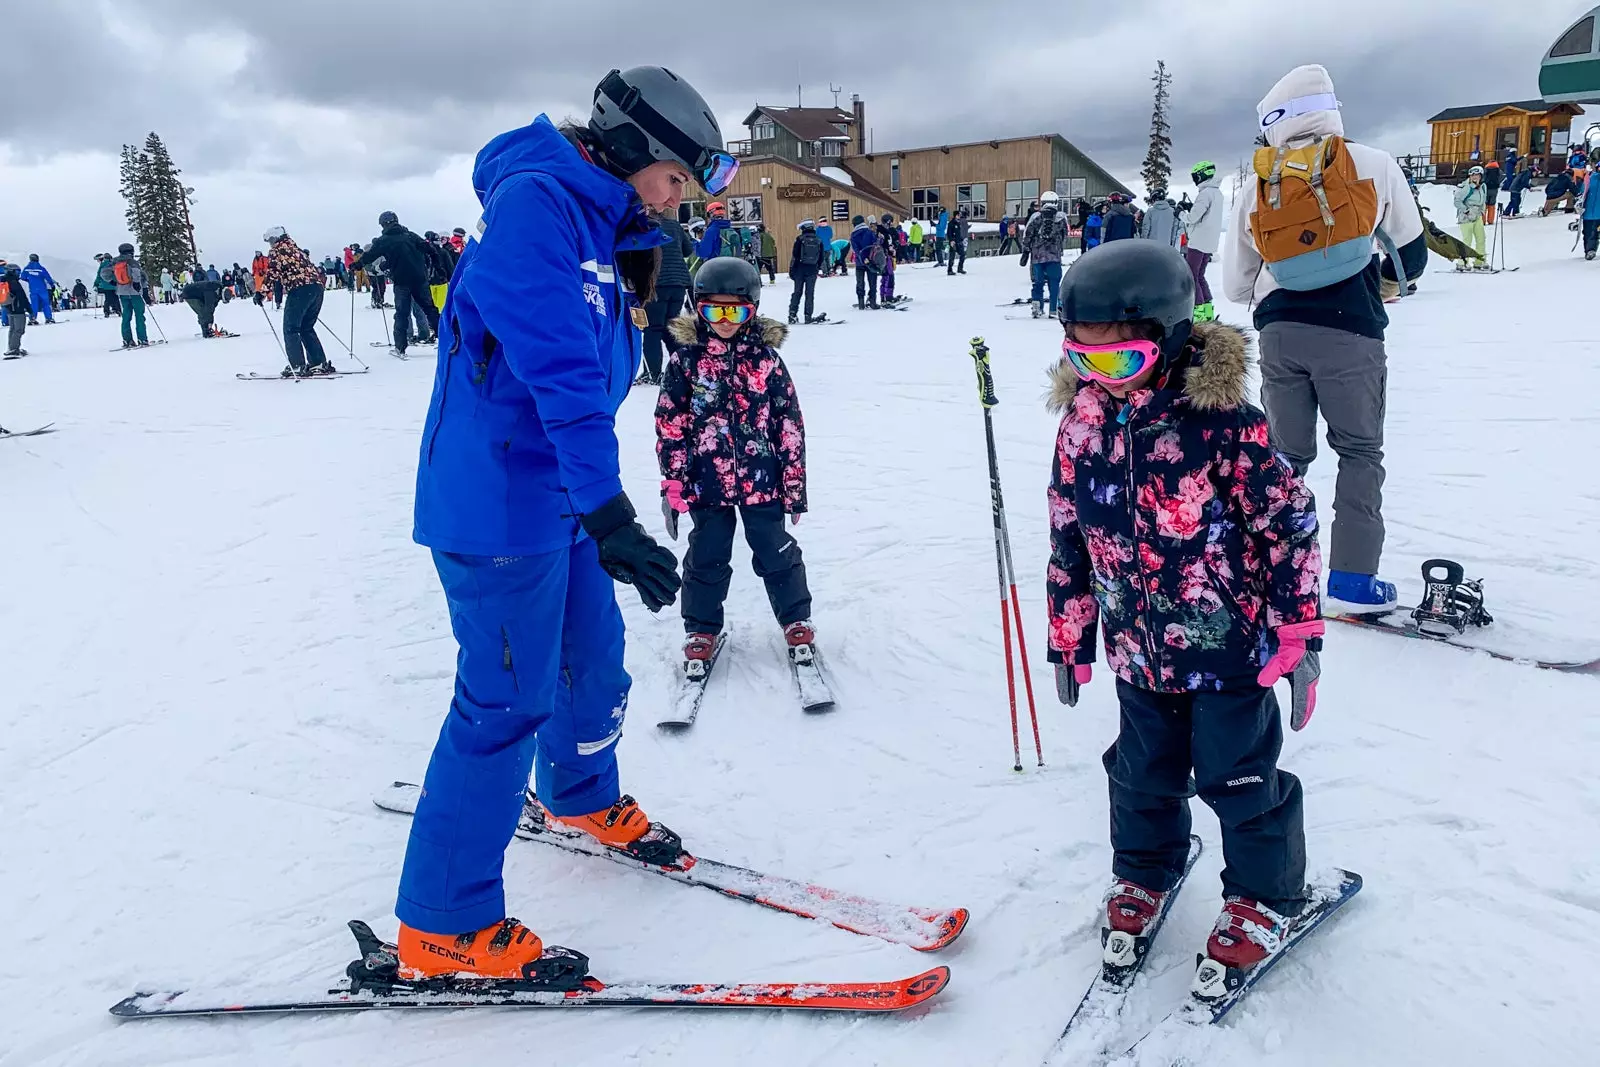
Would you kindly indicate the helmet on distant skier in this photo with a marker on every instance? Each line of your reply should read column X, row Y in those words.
column 388, row 218
column 33, row 257
column 1048, row 197
column 728, row 276
column 716, row 210
column 886, row 219
column 1132, row 281
column 125, row 249
column 1476, row 170
column 274, row 235
column 808, row 224
column 643, row 115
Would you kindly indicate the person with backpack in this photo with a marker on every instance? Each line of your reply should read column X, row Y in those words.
column 410, row 262
column 1203, row 228
column 301, row 282
column 957, row 235
column 1177, row 529
column 106, row 286
column 731, row 443
column 672, row 288
column 805, row 263
column 868, row 250
column 124, row 273
column 1491, row 190
column 1319, row 307
column 1120, row 223
column 15, row 302
column 1471, row 198
column 713, row 242
column 441, row 266
column 39, row 285
column 1042, row 245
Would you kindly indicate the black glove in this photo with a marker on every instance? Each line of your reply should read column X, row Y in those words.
column 1024, row 259
column 630, row 555
column 260, row 298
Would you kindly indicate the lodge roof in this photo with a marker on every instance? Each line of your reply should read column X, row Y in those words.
column 806, row 123
column 1479, row 111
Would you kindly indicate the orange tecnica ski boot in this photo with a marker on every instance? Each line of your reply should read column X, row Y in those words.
column 625, row 827
column 505, row 951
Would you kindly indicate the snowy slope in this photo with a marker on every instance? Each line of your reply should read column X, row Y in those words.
column 220, row 640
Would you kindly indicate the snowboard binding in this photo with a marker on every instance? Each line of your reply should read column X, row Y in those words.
column 1450, row 601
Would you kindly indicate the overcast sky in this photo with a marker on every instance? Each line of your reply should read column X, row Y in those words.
column 317, row 116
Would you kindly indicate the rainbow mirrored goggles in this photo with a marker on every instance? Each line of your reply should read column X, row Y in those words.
column 715, row 170
column 1113, row 364
column 738, row 314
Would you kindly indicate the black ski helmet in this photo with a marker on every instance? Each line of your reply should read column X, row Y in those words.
column 125, row 249
column 388, row 218
column 645, row 114
column 1132, row 281
column 728, row 276
column 33, row 257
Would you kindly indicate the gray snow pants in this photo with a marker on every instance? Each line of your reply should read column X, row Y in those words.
column 1305, row 369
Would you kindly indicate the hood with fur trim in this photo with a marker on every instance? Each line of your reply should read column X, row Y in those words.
column 1214, row 381
column 685, row 329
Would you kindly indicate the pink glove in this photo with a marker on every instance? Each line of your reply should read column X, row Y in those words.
column 672, row 490
column 1069, row 678
column 1297, row 660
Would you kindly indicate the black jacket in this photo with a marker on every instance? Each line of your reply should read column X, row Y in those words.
column 442, row 264
column 407, row 257
column 959, row 231
column 805, row 261
column 674, row 254
column 203, row 289
column 17, row 303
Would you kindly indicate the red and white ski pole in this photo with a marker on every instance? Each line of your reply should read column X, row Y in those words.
column 1009, row 605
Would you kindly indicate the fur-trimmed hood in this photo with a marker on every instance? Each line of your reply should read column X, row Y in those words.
column 685, row 329
column 1218, row 361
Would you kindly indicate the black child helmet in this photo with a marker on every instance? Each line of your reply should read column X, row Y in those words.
column 1132, row 281
column 728, row 276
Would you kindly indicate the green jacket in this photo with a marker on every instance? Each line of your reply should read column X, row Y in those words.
column 916, row 233
column 769, row 245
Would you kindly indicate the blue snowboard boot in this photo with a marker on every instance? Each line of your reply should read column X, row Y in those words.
column 1350, row 593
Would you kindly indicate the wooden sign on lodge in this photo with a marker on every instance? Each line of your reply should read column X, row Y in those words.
column 802, row 192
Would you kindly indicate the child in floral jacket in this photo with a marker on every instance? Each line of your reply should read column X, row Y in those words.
column 1176, row 525
column 729, row 436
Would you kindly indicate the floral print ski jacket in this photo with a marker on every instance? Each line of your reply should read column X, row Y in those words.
column 290, row 267
column 1174, row 521
column 728, row 422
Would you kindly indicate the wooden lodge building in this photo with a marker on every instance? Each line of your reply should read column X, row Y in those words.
column 1464, row 137
column 812, row 162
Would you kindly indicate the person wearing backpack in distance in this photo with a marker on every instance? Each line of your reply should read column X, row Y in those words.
column 865, row 247
column 14, row 300
column 729, row 436
column 125, row 275
column 1319, row 307
column 805, row 262
column 1177, row 527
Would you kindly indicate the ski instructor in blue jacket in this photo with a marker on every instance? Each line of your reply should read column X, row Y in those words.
column 519, row 495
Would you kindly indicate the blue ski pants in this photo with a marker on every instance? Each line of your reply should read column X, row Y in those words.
column 540, row 686
column 1046, row 275
column 40, row 298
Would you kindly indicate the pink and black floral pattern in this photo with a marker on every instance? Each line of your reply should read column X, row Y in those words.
column 728, row 422
column 1174, row 521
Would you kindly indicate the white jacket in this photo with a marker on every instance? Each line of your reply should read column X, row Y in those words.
column 1204, row 222
column 1245, row 277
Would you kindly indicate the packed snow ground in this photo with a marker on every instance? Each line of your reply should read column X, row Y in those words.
column 219, row 641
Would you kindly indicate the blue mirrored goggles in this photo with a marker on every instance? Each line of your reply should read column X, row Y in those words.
column 716, row 170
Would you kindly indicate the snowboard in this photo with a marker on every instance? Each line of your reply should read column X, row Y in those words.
column 1500, row 640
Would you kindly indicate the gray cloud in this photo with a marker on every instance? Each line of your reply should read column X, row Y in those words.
column 388, row 89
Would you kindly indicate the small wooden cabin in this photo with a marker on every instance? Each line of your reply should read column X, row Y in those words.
column 1467, row 136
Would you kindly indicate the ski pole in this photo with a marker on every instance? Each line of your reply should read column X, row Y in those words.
column 336, row 337
column 155, row 322
column 1010, row 605
column 274, row 330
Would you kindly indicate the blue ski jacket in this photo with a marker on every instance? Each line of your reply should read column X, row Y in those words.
column 537, row 349
column 38, row 278
column 710, row 244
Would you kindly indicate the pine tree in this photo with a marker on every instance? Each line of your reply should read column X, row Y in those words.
column 156, row 208
column 1157, row 170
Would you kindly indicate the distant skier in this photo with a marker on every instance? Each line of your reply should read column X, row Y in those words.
column 805, row 263
column 409, row 261
column 14, row 300
column 1320, row 310
column 1094, row 228
column 767, row 252
column 729, row 435
column 39, row 285
column 1203, row 227
column 1042, row 245
column 716, row 240
column 888, row 238
column 868, row 251
column 1491, row 189
column 1160, row 222
column 672, row 288
column 957, row 235
column 1120, row 223
column 1471, row 199
column 1591, row 213
column 127, row 277
column 80, row 295
column 1197, row 628
column 941, row 234
column 202, row 295
column 301, row 284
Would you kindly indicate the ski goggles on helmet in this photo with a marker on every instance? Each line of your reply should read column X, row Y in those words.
column 1113, row 364
column 715, row 170
column 739, row 314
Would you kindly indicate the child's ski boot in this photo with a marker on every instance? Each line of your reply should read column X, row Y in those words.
column 1247, row 933
column 1131, row 911
column 1450, row 601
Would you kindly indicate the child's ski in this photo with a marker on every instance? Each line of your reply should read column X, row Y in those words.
column 691, row 691
column 1093, row 1027
column 254, row 377
column 46, row 428
column 1326, row 894
column 810, row 683
column 374, row 983
column 924, row 929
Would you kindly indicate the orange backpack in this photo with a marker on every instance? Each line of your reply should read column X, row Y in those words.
column 1315, row 216
column 120, row 271
column 5, row 292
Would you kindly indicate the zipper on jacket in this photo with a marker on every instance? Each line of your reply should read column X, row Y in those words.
column 1138, row 561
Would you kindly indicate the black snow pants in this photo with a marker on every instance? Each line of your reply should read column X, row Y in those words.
column 707, row 573
column 659, row 312
column 866, row 286
column 404, row 300
column 805, row 284
column 1230, row 740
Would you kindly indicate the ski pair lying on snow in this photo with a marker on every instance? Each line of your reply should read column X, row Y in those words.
column 924, row 929
column 1091, row 1034
column 373, row 982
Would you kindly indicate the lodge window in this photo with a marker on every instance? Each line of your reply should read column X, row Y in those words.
column 1576, row 41
column 763, row 131
column 1019, row 194
column 1071, row 189
column 832, row 148
column 925, row 203
column 894, row 175
column 1539, row 141
column 975, row 198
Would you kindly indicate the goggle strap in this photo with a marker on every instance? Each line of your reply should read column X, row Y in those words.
column 636, row 107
